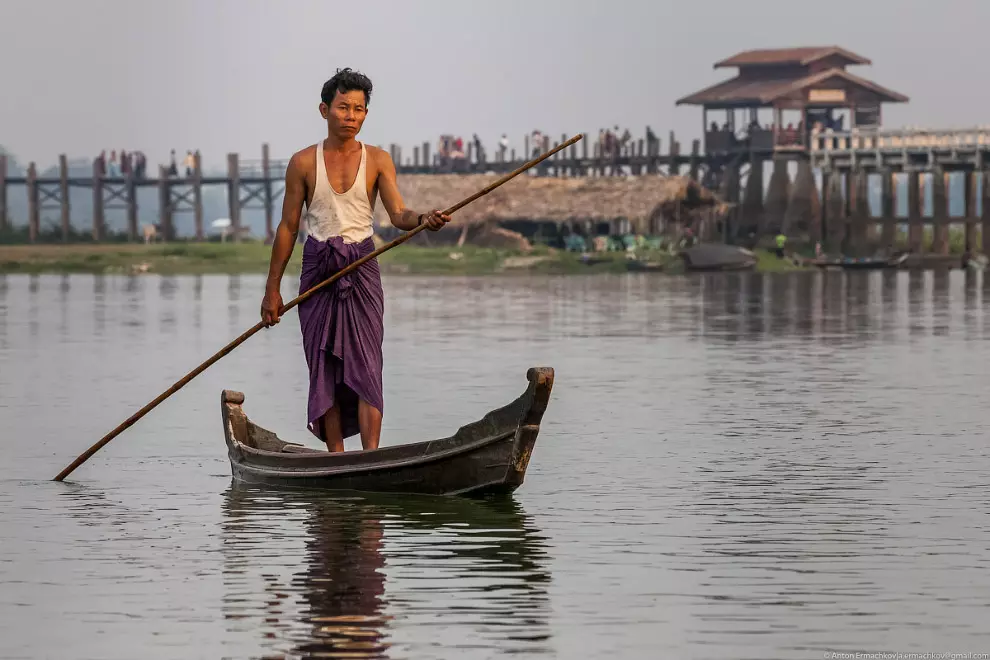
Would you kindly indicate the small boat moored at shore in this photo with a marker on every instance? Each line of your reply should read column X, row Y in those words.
column 717, row 256
column 487, row 456
column 861, row 263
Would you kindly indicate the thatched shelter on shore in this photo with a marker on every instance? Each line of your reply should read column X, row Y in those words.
column 643, row 204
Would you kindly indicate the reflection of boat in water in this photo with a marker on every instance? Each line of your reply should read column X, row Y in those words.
column 717, row 256
column 330, row 577
column 489, row 455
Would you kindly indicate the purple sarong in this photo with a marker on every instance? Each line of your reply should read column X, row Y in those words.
column 342, row 327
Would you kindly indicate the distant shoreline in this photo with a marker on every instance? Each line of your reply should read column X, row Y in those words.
column 253, row 258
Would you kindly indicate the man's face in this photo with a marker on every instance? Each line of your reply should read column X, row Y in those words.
column 346, row 113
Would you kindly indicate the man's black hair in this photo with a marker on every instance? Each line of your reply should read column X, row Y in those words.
column 346, row 80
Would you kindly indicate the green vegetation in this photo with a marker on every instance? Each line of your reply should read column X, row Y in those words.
column 252, row 257
column 174, row 258
column 767, row 261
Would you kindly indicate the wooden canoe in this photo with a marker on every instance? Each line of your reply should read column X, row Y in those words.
column 487, row 456
column 717, row 257
column 861, row 263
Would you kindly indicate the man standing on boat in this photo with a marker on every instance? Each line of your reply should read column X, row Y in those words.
column 342, row 324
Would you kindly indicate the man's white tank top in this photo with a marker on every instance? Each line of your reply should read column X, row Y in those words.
column 349, row 214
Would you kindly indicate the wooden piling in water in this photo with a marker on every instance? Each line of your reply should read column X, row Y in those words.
column 888, row 208
column 132, row 207
column 833, row 215
column 98, row 218
column 861, row 218
column 985, row 211
column 164, row 203
column 63, row 189
column 752, row 202
column 4, row 221
column 268, row 195
column 34, row 212
column 915, row 226
column 804, row 206
column 730, row 192
column 778, row 191
column 197, row 190
column 940, row 212
column 970, row 184
column 234, row 195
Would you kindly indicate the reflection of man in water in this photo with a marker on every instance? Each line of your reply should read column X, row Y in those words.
column 344, row 583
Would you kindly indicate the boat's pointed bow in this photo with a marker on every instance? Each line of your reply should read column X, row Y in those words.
column 234, row 420
column 540, row 385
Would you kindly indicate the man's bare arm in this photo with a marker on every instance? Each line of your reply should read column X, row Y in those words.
column 288, row 226
column 400, row 216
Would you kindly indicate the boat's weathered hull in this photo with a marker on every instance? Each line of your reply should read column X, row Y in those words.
column 490, row 455
column 717, row 257
column 862, row 263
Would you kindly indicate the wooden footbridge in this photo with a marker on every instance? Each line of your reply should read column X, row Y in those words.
column 796, row 109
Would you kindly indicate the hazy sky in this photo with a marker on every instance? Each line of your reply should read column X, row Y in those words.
column 227, row 75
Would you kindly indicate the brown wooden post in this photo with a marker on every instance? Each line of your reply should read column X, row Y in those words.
column 695, row 162
column 804, row 205
column 132, row 207
column 98, row 218
column 234, row 194
column 34, row 212
column 654, row 166
column 197, row 190
column 915, row 226
column 753, row 220
column 730, row 191
column 778, row 192
column 834, row 210
column 862, row 216
column 985, row 210
column 63, row 189
column 3, row 192
column 164, row 203
column 269, row 196
column 675, row 150
column 940, row 212
column 888, row 204
column 969, row 216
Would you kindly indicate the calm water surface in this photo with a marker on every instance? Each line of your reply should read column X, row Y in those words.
column 730, row 467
